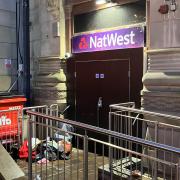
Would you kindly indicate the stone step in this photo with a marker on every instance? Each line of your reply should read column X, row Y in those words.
column 8, row 168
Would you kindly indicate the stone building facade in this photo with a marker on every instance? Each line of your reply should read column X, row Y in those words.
column 161, row 81
column 8, row 60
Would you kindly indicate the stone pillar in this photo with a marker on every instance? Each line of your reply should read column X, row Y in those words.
column 161, row 92
column 68, row 17
column 162, row 81
column 62, row 29
column 48, row 47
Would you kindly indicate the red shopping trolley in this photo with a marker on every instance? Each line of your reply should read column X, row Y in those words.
column 10, row 123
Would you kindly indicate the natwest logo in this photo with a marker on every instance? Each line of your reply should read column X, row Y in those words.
column 83, row 43
column 4, row 121
column 112, row 40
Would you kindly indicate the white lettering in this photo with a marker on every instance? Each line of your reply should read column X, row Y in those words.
column 100, row 43
column 126, row 39
column 104, row 41
column 109, row 40
column 8, row 121
column 15, row 108
column 120, row 40
column 112, row 39
column 132, row 36
column 4, row 121
column 93, row 42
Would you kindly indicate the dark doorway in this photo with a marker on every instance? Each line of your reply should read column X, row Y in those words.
column 122, row 82
column 100, row 83
column 111, row 76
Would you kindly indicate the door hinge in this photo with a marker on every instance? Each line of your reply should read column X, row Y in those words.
column 75, row 74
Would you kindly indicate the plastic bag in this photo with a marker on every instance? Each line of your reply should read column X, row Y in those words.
column 63, row 133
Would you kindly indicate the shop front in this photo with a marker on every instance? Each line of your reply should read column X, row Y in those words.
column 107, row 68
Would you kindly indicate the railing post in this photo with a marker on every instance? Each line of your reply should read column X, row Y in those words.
column 29, row 148
column 178, row 170
column 156, row 151
column 85, row 172
column 110, row 149
column 22, row 129
column 19, row 127
column 33, row 127
column 51, row 124
column 47, row 123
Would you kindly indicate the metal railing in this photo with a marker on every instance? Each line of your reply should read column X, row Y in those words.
column 100, row 153
column 147, row 125
column 13, row 126
column 42, row 109
column 153, row 126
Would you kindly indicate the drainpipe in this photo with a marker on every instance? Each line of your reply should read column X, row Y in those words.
column 17, row 40
column 62, row 30
column 26, row 51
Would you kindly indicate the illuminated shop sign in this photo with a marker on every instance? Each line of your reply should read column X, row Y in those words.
column 109, row 40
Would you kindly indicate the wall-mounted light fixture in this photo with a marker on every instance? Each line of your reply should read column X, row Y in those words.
column 98, row 2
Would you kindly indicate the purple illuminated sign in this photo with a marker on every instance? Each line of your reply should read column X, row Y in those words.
column 109, row 40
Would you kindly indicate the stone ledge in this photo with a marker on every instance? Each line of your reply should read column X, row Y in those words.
column 160, row 94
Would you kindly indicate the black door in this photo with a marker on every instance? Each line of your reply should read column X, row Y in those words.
column 100, row 83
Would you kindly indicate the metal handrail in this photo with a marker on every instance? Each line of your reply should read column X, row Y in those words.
column 34, row 107
column 132, row 152
column 144, row 120
column 110, row 133
column 140, row 111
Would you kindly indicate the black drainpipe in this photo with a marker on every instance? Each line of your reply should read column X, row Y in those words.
column 17, row 57
column 26, row 51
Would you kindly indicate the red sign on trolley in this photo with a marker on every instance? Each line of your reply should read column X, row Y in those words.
column 9, row 111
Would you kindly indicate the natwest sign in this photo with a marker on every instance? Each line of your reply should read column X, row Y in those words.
column 109, row 40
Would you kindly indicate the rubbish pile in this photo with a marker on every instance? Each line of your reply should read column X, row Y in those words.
column 50, row 149
column 57, row 146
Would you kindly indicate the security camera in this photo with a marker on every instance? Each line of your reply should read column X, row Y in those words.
column 68, row 55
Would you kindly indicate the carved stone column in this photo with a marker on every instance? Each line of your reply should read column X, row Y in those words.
column 162, row 81
column 68, row 20
column 161, row 92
